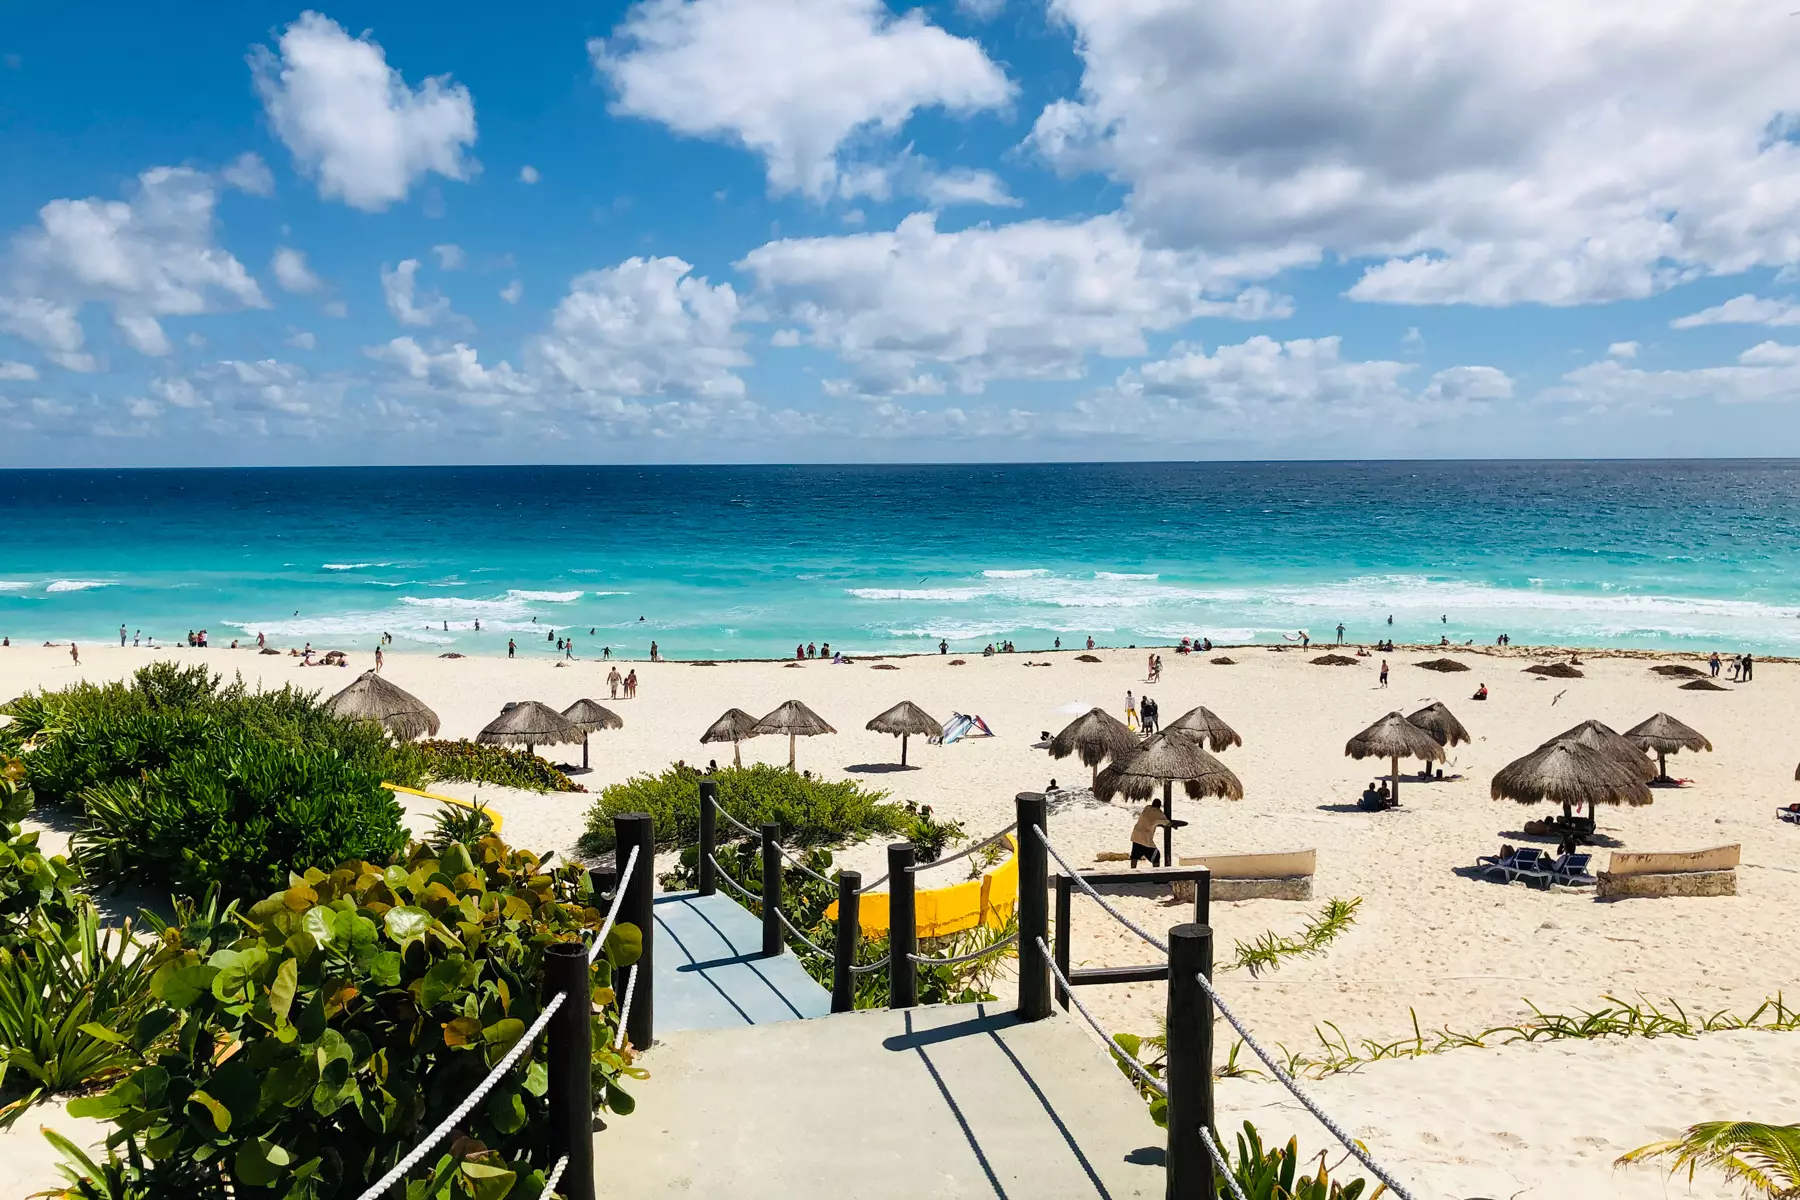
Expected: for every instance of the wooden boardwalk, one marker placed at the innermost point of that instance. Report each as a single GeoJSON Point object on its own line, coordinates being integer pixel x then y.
{"type": "Point", "coordinates": [710, 973]}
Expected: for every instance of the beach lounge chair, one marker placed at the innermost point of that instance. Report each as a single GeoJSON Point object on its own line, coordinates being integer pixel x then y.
{"type": "Point", "coordinates": [1571, 870]}
{"type": "Point", "coordinates": [1788, 814]}
{"type": "Point", "coordinates": [1528, 864]}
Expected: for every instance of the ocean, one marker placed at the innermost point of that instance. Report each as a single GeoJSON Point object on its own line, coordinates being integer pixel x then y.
{"type": "Point", "coordinates": [743, 562]}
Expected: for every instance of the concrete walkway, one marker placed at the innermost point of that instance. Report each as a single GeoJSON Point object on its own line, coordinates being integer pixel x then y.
{"type": "Point", "coordinates": [710, 973]}
{"type": "Point", "coordinates": [943, 1101]}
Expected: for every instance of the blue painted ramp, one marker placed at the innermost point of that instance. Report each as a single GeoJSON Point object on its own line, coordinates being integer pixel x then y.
{"type": "Point", "coordinates": [711, 974]}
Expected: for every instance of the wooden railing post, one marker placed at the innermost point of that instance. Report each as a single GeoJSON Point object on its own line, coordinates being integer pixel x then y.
{"type": "Point", "coordinates": [849, 937]}
{"type": "Point", "coordinates": [639, 909]}
{"type": "Point", "coordinates": [1063, 887]}
{"type": "Point", "coordinates": [709, 835]}
{"type": "Point", "coordinates": [568, 1054]}
{"type": "Point", "coordinates": [773, 942]}
{"type": "Point", "coordinates": [903, 928]}
{"type": "Point", "coordinates": [1189, 1077]}
{"type": "Point", "coordinates": [1034, 907]}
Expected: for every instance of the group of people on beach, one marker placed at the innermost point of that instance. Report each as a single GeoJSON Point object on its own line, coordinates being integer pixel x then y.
{"type": "Point", "coordinates": [614, 682]}
{"type": "Point", "coordinates": [1742, 666]}
{"type": "Point", "coordinates": [1141, 716]}
{"type": "Point", "coordinates": [812, 650]}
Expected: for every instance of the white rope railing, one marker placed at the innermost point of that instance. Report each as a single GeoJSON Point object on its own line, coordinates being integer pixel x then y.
{"type": "Point", "coordinates": [801, 937]}
{"type": "Point", "coordinates": [720, 809]}
{"type": "Point", "coordinates": [964, 853]}
{"type": "Point", "coordinates": [1311, 1105]}
{"type": "Point", "coordinates": [877, 965]}
{"type": "Point", "coordinates": [802, 867]}
{"type": "Point", "coordinates": [1083, 884]}
{"type": "Point", "coordinates": [1224, 1168]}
{"type": "Point", "coordinates": [461, 1111]}
{"type": "Point", "coordinates": [625, 1007]}
{"type": "Point", "coordinates": [869, 887]}
{"type": "Point", "coordinates": [556, 1174]}
{"type": "Point", "coordinates": [927, 960]}
{"type": "Point", "coordinates": [1137, 1068]}
{"type": "Point", "coordinates": [612, 914]}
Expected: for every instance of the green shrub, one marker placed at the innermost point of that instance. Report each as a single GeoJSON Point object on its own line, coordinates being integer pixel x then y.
{"type": "Point", "coordinates": [810, 811]}
{"type": "Point", "coordinates": [1273, 1173]}
{"type": "Point", "coordinates": [455, 823]}
{"type": "Point", "coordinates": [471, 762]}
{"type": "Point", "coordinates": [319, 1036]}
{"type": "Point", "coordinates": [31, 884]}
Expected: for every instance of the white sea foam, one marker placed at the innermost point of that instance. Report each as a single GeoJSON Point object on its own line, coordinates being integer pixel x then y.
{"type": "Point", "coordinates": [941, 594]}
{"type": "Point", "coordinates": [1024, 573]}
{"type": "Point", "coordinates": [77, 585]}
{"type": "Point", "coordinates": [14, 585]}
{"type": "Point", "coordinates": [1121, 575]}
{"type": "Point", "coordinates": [466, 606]}
{"type": "Point", "coordinates": [958, 632]}
{"type": "Point", "coordinates": [546, 597]}
{"type": "Point", "coordinates": [363, 566]}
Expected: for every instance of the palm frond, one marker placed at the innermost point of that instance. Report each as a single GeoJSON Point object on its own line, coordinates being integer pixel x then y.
{"type": "Point", "coordinates": [1765, 1158]}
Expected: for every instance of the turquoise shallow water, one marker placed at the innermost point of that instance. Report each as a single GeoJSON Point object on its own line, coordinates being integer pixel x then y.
{"type": "Point", "coordinates": [745, 561]}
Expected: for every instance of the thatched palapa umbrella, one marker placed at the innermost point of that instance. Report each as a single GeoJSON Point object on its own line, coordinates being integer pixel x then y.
{"type": "Point", "coordinates": [1395, 737]}
{"type": "Point", "coordinates": [1665, 735]}
{"type": "Point", "coordinates": [903, 720]}
{"type": "Point", "coordinates": [1571, 773]}
{"type": "Point", "coordinates": [530, 724]}
{"type": "Point", "coordinates": [1165, 758]}
{"type": "Point", "coordinates": [1203, 725]}
{"type": "Point", "coordinates": [372, 698]}
{"type": "Point", "coordinates": [1440, 723]}
{"type": "Point", "coordinates": [590, 716]}
{"type": "Point", "coordinates": [795, 720]}
{"type": "Point", "coordinates": [736, 727]}
{"type": "Point", "coordinates": [1602, 739]}
{"type": "Point", "coordinates": [1094, 737]}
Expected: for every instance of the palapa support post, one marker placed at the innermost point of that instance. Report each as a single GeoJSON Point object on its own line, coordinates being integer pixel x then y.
{"type": "Point", "coordinates": [1189, 1074]}
{"type": "Point", "coordinates": [1063, 888]}
{"type": "Point", "coordinates": [1034, 907]}
{"type": "Point", "coordinates": [1203, 897]}
{"type": "Point", "coordinates": [849, 937]}
{"type": "Point", "coordinates": [709, 835]}
{"type": "Point", "coordinates": [639, 909]}
{"type": "Point", "coordinates": [903, 928]}
{"type": "Point", "coordinates": [568, 1054]}
{"type": "Point", "coordinates": [1169, 829]}
{"type": "Point", "coordinates": [773, 943]}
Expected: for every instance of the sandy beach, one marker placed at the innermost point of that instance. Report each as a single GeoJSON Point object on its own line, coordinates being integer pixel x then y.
{"type": "Point", "coordinates": [1455, 950]}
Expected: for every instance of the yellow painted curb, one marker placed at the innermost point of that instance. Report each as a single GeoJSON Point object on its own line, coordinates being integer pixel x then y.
{"type": "Point", "coordinates": [489, 813]}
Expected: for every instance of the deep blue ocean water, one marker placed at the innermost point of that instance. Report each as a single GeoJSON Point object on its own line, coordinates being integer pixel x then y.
{"type": "Point", "coordinates": [746, 561]}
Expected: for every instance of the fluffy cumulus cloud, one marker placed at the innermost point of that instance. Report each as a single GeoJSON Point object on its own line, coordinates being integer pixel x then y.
{"type": "Point", "coordinates": [794, 81]}
{"type": "Point", "coordinates": [1262, 388]}
{"type": "Point", "coordinates": [457, 368]}
{"type": "Point", "coordinates": [249, 173]}
{"type": "Point", "coordinates": [291, 271]}
{"type": "Point", "coordinates": [151, 256]}
{"type": "Point", "coordinates": [352, 122]}
{"type": "Point", "coordinates": [1484, 154]}
{"type": "Point", "coordinates": [1766, 373]}
{"type": "Point", "coordinates": [409, 305]}
{"type": "Point", "coordinates": [645, 328]}
{"type": "Point", "coordinates": [16, 372]}
{"type": "Point", "coordinates": [1748, 309]}
{"type": "Point", "coordinates": [1029, 300]}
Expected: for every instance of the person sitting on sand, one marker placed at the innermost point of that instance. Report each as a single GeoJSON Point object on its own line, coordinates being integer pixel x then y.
{"type": "Point", "coordinates": [1143, 834]}
{"type": "Point", "coordinates": [1480, 693]}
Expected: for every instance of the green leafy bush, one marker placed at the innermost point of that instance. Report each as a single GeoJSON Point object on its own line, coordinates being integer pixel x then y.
{"type": "Point", "coordinates": [454, 823]}
{"type": "Point", "coordinates": [810, 811]}
{"type": "Point", "coordinates": [30, 883]}
{"type": "Point", "coordinates": [472, 762]}
{"type": "Point", "coordinates": [1273, 1173]}
{"type": "Point", "coordinates": [313, 1040]}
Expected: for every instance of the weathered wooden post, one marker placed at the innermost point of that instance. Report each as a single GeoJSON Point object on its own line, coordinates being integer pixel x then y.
{"type": "Point", "coordinates": [903, 928]}
{"type": "Point", "coordinates": [1034, 907]}
{"type": "Point", "coordinates": [773, 942]}
{"type": "Point", "coordinates": [568, 1054]}
{"type": "Point", "coordinates": [1063, 887]}
{"type": "Point", "coordinates": [709, 835]}
{"type": "Point", "coordinates": [849, 937]}
{"type": "Point", "coordinates": [1189, 1076]}
{"type": "Point", "coordinates": [639, 909]}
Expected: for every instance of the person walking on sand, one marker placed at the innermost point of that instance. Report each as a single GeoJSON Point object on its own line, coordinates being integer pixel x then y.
{"type": "Point", "coordinates": [121, 637]}
{"type": "Point", "coordinates": [512, 648]}
{"type": "Point", "coordinates": [75, 653]}
{"type": "Point", "coordinates": [612, 683]}
{"type": "Point", "coordinates": [654, 655]}
{"type": "Point", "coordinates": [569, 649]}
{"type": "Point", "coordinates": [1340, 633]}
{"type": "Point", "coordinates": [1713, 662]}
{"type": "Point", "coordinates": [631, 685]}
{"type": "Point", "coordinates": [378, 660]}
{"type": "Point", "coordinates": [1131, 713]}
{"type": "Point", "coordinates": [1143, 834]}
{"type": "Point", "coordinates": [1384, 672]}
{"type": "Point", "coordinates": [1748, 667]}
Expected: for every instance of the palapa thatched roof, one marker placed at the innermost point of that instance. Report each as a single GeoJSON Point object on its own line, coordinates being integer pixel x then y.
{"type": "Point", "coordinates": [1094, 737]}
{"type": "Point", "coordinates": [906, 718]}
{"type": "Point", "coordinates": [1443, 664]}
{"type": "Point", "coordinates": [1555, 670]}
{"type": "Point", "coordinates": [735, 726]}
{"type": "Point", "coordinates": [1334, 660]}
{"type": "Point", "coordinates": [590, 716]}
{"type": "Point", "coordinates": [794, 718]}
{"type": "Point", "coordinates": [530, 723]}
{"type": "Point", "coordinates": [1566, 772]}
{"type": "Point", "coordinates": [1394, 737]}
{"type": "Point", "coordinates": [1603, 739]}
{"type": "Point", "coordinates": [1665, 735]}
{"type": "Point", "coordinates": [1440, 723]}
{"type": "Point", "coordinates": [1168, 759]}
{"type": "Point", "coordinates": [372, 698]}
{"type": "Point", "coordinates": [1204, 726]}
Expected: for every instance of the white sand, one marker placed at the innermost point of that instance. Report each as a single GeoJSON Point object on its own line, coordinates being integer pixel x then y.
{"type": "Point", "coordinates": [1455, 950]}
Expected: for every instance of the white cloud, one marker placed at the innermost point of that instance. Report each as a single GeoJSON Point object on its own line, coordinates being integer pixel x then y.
{"type": "Point", "coordinates": [335, 308]}
{"type": "Point", "coordinates": [646, 328]}
{"type": "Point", "coordinates": [980, 10]}
{"type": "Point", "coordinates": [512, 291]}
{"type": "Point", "coordinates": [1266, 388]}
{"type": "Point", "coordinates": [450, 257]}
{"type": "Point", "coordinates": [1765, 373]}
{"type": "Point", "coordinates": [1622, 350]}
{"type": "Point", "coordinates": [458, 367]}
{"type": "Point", "coordinates": [1412, 341]}
{"type": "Point", "coordinates": [1539, 151]}
{"type": "Point", "coordinates": [301, 339]}
{"type": "Point", "coordinates": [350, 120]}
{"type": "Point", "coordinates": [1747, 309]}
{"type": "Point", "coordinates": [1030, 300]}
{"type": "Point", "coordinates": [249, 173]}
{"type": "Point", "coordinates": [409, 306]}
{"type": "Point", "coordinates": [17, 371]}
{"type": "Point", "coordinates": [291, 271]}
{"type": "Point", "coordinates": [529, 174]}
{"type": "Point", "coordinates": [151, 256]}
{"type": "Point", "coordinates": [791, 80]}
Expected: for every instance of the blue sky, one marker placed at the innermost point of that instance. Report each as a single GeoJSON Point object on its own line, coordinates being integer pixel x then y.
{"type": "Point", "coordinates": [805, 230]}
